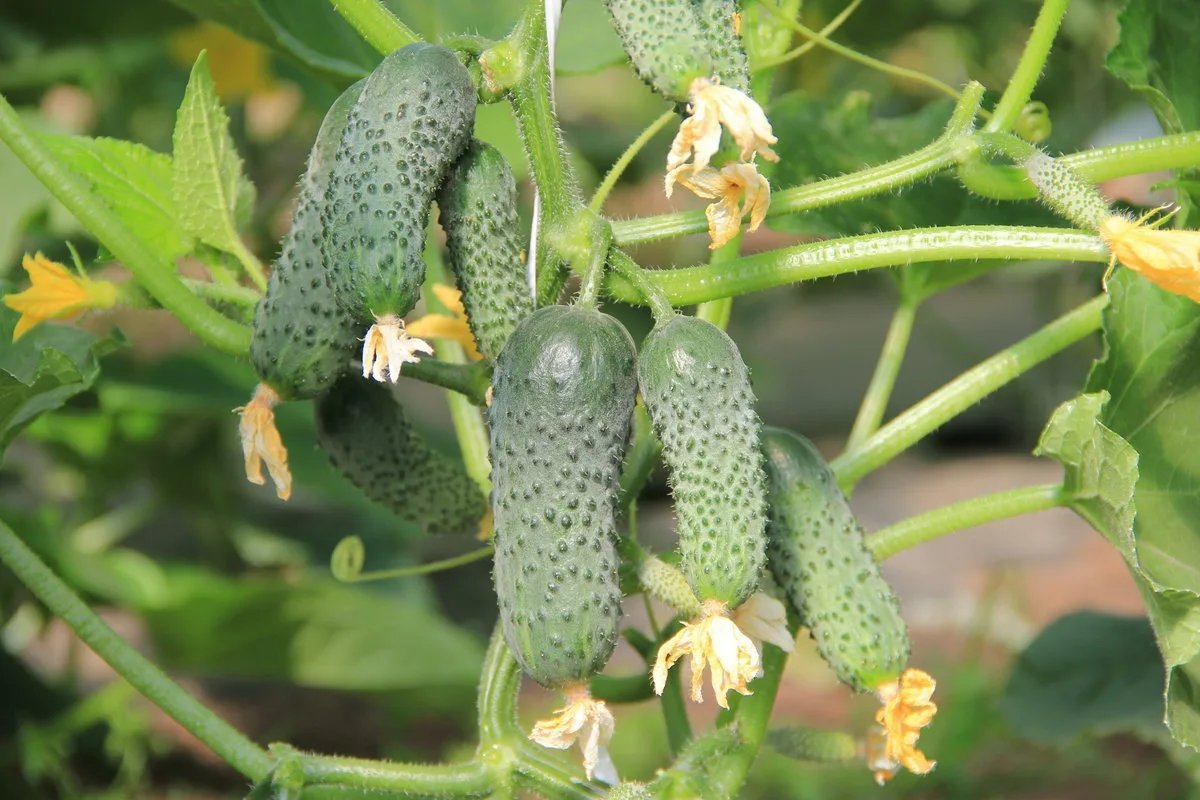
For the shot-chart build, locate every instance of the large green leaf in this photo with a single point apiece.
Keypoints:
(1157, 56)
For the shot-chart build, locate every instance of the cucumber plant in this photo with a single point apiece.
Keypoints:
(555, 448)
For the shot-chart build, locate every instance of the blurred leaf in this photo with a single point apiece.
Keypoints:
(1156, 55)
(210, 191)
(587, 41)
(1086, 672)
(134, 181)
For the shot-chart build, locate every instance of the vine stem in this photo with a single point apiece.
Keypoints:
(649, 293)
(913, 531)
(822, 35)
(1029, 67)
(719, 311)
(887, 369)
(462, 559)
(688, 285)
(224, 740)
(619, 166)
(155, 275)
(376, 24)
(964, 391)
(469, 779)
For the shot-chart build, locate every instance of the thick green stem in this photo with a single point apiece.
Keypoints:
(637, 278)
(718, 311)
(376, 24)
(1029, 68)
(911, 532)
(470, 381)
(965, 391)
(640, 458)
(441, 780)
(498, 687)
(233, 748)
(156, 276)
(687, 285)
(879, 391)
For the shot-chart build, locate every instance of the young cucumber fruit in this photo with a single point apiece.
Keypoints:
(697, 390)
(673, 42)
(478, 207)
(818, 554)
(363, 430)
(302, 337)
(563, 393)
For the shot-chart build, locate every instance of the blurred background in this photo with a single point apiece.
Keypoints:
(135, 494)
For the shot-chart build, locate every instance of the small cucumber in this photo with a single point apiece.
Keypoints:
(818, 554)
(697, 390)
(302, 337)
(363, 430)
(673, 42)
(563, 393)
(410, 124)
(478, 208)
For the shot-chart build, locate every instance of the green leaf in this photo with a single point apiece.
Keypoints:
(587, 42)
(1086, 672)
(1157, 57)
(134, 181)
(207, 183)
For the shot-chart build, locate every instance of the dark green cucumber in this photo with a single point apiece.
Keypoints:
(563, 394)
(818, 554)
(363, 430)
(673, 42)
(478, 207)
(302, 336)
(697, 390)
(410, 124)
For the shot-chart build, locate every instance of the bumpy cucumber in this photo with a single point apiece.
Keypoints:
(818, 554)
(697, 390)
(563, 394)
(302, 337)
(410, 124)
(478, 208)
(363, 430)
(673, 42)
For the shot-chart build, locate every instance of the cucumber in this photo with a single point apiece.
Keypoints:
(697, 390)
(563, 393)
(302, 338)
(818, 554)
(367, 437)
(411, 122)
(478, 208)
(673, 42)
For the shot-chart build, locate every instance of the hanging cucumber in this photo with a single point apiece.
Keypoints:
(302, 337)
(563, 393)
(478, 207)
(367, 437)
(410, 124)
(819, 557)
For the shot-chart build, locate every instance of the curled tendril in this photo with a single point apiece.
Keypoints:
(346, 563)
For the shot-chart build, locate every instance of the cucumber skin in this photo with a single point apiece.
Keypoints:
(410, 124)
(563, 393)
(367, 437)
(818, 554)
(697, 390)
(302, 337)
(478, 207)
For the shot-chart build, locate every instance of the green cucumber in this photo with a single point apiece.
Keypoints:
(302, 337)
(563, 393)
(819, 556)
(363, 430)
(478, 207)
(410, 124)
(697, 390)
(673, 42)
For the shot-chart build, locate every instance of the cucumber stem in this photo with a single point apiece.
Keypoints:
(887, 369)
(376, 24)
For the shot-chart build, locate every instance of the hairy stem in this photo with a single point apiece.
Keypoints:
(887, 369)
(619, 166)
(822, 35)
(648, 292)
(498, 687)
(376, 24)
(1029, 68)
(470, 779)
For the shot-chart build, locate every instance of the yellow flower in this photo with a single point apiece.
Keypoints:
(713, 105)
(261, 441)
(1169, 258)
(907, 708)
(440, 326)
(387, 347)
(738, 190)
(54, 293)
(714, 642)
(582, 720)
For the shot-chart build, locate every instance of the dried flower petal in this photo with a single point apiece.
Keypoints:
(714, 642)
(387, 347)
(261, 441)
(738, 189)
(907, 708)
(586, 721)
(713, 105)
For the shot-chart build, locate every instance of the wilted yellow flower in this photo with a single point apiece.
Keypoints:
(261, 441)
(713, 105)
(388, 347)
(584, 720)
(764, 619)
(54, 293)
(1168, 257)
(440, 326)
(714, 642)
(907, 708)
(738, 190)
